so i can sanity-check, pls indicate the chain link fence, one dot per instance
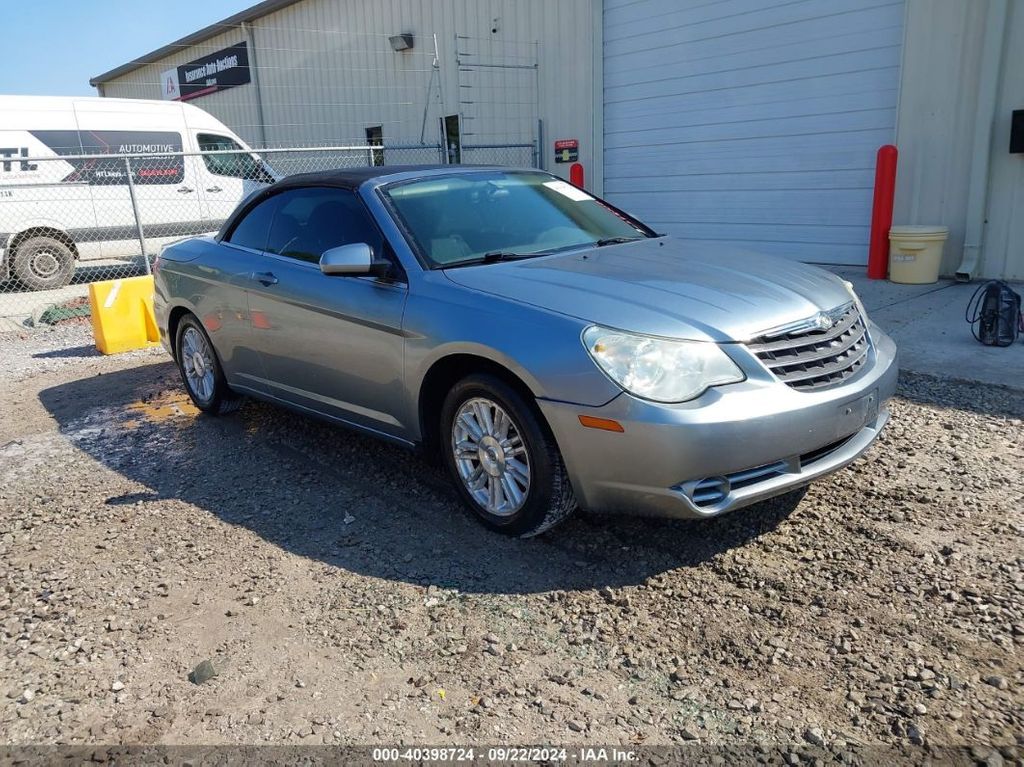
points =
(512, 155)
(72, 219)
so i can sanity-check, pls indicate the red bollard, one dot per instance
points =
(576, 174)
(881, 212)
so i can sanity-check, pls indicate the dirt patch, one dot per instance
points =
(77, 311)
(344, 597)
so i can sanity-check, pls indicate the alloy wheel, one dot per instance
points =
(490, 456)
(197, 361)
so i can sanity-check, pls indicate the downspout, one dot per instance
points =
(254, 72)
(596, 171)
(988, 92)
(435, 69)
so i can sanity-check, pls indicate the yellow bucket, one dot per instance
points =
(915, 253)
(122, 314)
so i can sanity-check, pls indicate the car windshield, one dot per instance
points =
(496, 215)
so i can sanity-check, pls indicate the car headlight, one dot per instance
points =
(659, 369)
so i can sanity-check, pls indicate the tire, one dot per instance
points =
(43, 263)
(200, 369)
(480, 460)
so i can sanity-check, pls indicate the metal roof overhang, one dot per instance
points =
(249, 14)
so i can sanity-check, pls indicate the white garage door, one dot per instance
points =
(751, 122)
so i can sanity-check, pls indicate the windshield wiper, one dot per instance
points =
(502, 255)
(616, 241)
(492, 257)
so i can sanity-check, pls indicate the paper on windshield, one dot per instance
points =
(568, 190)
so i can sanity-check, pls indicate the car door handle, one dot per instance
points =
(214, 189)
(185, 189)
(265, 278)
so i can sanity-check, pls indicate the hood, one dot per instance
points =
(665, 287)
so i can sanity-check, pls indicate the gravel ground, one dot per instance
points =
(36, 351)
(344, 598)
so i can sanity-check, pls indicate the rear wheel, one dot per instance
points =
(201, 371)
(503, 459)
(43, 263)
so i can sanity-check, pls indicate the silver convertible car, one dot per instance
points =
(550, 349)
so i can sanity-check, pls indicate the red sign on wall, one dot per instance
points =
(567, 150)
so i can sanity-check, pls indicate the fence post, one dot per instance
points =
(135, 211)
(540, 145)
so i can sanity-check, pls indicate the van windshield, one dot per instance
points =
(223, 157)
(485, 216)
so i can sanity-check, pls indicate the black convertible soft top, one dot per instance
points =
(352, 178)
(343, 178)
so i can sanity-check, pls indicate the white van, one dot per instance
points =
(55, 213)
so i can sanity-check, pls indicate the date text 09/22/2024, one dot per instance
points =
(581, 755)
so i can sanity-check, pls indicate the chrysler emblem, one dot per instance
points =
(820, 322)
(823, 321)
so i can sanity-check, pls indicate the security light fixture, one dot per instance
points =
(402, 42)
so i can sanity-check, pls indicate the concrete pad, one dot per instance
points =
(927, 323)
(14, 324)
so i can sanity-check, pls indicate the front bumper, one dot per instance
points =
(733, 446)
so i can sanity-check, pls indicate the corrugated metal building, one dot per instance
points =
(325, 72)
(764, 129)
(746, 122)
(963, 77)
(756, 122)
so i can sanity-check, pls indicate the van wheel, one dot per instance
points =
(43, 263)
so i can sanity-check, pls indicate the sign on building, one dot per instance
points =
(214, 72)
(567, 150)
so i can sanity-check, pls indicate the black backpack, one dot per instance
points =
(994, 314)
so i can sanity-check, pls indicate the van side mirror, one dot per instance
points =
(353, 260)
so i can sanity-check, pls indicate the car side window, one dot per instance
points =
(253, 229)
(312, 220)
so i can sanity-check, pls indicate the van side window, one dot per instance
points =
(254, 228)
(237, 164)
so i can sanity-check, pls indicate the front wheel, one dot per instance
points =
(503, 459)
(201, 371)
(43, 263)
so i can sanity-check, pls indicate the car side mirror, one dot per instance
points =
(353, 260)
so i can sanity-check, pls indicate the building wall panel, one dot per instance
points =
(327, 72)
(1003, 248)
(945, 44)
(749, 122)
(938, 102)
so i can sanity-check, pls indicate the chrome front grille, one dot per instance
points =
(816, 353)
